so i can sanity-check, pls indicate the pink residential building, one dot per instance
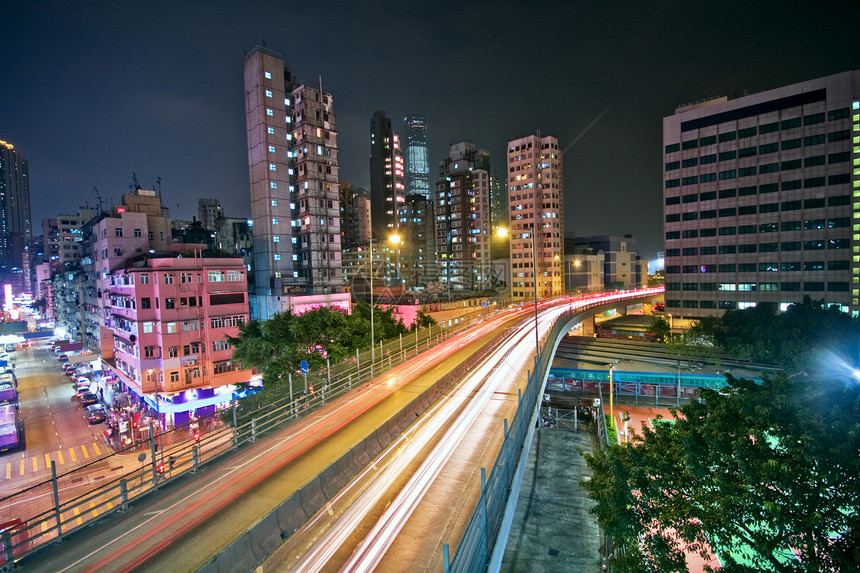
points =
(170, 319)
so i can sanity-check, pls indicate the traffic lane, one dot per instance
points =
(182, 532)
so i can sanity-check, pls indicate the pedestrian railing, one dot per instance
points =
(70, 501)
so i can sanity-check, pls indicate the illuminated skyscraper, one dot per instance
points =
(463, 219)
(761, 199)
(292, 159)
(15, 222)
(535, 196)
(417, 162)
(387, 192)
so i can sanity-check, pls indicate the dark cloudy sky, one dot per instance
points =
(93, 91)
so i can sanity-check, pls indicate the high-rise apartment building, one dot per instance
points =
(463, 233)
(417, 247)
(417, 158)
(536, 209)
(171, 317)
(314, 162)
(292, 158)
(387, 191)
(15, 219)
(762, 199)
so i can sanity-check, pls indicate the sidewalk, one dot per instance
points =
(552, 529)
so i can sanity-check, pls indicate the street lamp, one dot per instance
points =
(611, 402)
(394, 240)
(503, 232)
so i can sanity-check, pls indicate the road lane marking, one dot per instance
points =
(47, 461)
(72, 452)
(44, 526)
(35, 464)
(86, 453)
(9, 471)
(78, 514)
(21, 471)
(94, 510)
(60, 457)
(96, 448)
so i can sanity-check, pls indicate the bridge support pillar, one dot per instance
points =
(588, 326)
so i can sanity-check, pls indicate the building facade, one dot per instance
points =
(16, 227)
(170, 319)
(762, 199)
(536, 209)
(387, 190)
(417, 156)
(292, 159)
(463, 232)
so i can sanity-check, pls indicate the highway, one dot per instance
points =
(182, 527)
(384, 512)
(396, 515)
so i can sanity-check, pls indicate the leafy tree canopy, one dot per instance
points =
(791, 339)
(757, 472)
(277, 346)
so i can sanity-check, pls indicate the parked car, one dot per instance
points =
(96, 413)
(82, 380)
(63, 357)
(71, 372)
(88, 399)
(81, 389)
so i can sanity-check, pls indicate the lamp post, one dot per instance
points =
(534, 278)
(395, 240)
(611, 401)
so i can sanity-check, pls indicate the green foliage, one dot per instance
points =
(791, 339)
(277, 346)
(660, 327)
(423, 321)
(754, 472)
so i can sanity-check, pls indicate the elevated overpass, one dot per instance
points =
(255, 536)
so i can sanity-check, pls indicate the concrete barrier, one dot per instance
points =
(260, 540)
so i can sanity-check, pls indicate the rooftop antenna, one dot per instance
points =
(158, 185)
(99, 197)
(135, 186)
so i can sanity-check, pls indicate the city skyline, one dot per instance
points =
(94, 93)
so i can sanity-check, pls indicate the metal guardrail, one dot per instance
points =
(71, 501)
(478, 541)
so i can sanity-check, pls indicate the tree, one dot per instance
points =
(761, 469)
(422, 321)
(660, 327)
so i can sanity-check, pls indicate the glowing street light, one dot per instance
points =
(394, 240)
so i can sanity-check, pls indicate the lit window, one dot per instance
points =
(273, 185)
(269, 112)
(271, 130)
(277, 257)
(286, 101)
(268, 75)
(274, 202)
(276, 239)
(275, 221)
(268, 93)
(271, 149)
(272, 167)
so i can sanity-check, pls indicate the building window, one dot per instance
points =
(145, 302)
(168, 278)
(118, 231)
(148, 351)
(138, 233)
(273, 167)
(173, 352)
(169, 303)
(216, 276)
(144, 278)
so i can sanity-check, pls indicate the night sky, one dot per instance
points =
(93, 91)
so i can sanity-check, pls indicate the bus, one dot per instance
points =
(14, 540)
(10, 427)
(8, 393)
